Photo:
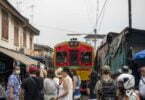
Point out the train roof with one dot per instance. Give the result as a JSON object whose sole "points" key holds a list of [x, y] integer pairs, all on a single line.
{"points": [[66, 43]]}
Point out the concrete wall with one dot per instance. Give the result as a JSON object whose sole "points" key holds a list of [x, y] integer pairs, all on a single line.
{"points": [[10, 42]]}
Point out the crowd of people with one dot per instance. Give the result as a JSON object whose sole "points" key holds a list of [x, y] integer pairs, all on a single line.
{"points": [[117, 86], [41, 84], [62, 84]]}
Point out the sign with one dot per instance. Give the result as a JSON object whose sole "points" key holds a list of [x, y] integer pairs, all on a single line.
{"points": [[84, 74]]}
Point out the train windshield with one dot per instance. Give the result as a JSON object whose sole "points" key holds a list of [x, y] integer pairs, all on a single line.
{"points": [[61, 57], [73, 57], [86, 57]]}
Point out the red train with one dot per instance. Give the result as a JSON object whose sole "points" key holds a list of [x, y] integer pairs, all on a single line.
{"points": [[76, 55]]}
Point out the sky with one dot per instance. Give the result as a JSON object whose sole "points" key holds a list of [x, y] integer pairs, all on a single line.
{"points": [[57, 18]]}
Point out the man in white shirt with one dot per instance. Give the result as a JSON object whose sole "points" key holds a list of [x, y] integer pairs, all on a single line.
{"points": [[142, 83]]}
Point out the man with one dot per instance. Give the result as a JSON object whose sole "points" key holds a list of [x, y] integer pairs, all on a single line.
{"points": [[105, 87], [67, 93], [91, 85], [14, 84], [32, 86], [142, 83]]}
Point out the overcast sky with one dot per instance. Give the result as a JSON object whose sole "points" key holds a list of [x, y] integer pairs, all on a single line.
{"points": [[56, 18]]}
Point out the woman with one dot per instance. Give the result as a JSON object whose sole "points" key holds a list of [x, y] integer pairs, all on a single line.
{"points": [[66, 87], [77, 84], [50, 87]]}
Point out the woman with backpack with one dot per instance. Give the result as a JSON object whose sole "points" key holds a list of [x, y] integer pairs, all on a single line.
{"points": [[105, 87]]}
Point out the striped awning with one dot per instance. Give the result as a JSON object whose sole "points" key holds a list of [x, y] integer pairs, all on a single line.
{"points": [[18, 56]]}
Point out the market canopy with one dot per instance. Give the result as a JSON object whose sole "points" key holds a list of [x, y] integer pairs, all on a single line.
{"points": [[139, 55], [18, 56]]}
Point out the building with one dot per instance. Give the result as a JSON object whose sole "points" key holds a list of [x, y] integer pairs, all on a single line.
{"points": [[42, 50], [120, 50], [43, 53], [103, 49], [16, 38], [15, 31]]}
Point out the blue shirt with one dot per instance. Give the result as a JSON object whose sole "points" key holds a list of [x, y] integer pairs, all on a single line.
{"points": [[14, 82]]}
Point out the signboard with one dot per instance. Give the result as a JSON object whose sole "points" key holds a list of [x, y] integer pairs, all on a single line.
{"points": [[83, 73]]}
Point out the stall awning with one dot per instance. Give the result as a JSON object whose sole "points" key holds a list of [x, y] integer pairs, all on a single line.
{"points": [[18, 56]]}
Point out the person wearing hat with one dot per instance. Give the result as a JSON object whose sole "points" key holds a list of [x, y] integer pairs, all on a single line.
{"points": [[67, 86], [126, 69], [31, 85], [14, 85], [105, 87]]}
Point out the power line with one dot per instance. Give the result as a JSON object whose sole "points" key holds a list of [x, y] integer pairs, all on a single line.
{"points": [[87, 10], [57, 28], [99, 16], [103, 14]]}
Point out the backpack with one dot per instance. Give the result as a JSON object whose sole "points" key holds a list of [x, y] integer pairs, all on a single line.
{"points": [[108, 89]]}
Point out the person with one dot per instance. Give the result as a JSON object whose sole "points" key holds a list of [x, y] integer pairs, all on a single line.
{"points": [[126, 69], [50, 86], [2, 91], [142, 83], [31, 86], [14, 85], [91, 85], [67, 86], [125, 84], [40, 81], [105, 87], [77, 84]]}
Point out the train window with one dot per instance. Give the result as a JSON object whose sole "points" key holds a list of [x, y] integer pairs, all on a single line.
{"points": [[61, 57], [86, 57], [73, 57], [73, 43]]}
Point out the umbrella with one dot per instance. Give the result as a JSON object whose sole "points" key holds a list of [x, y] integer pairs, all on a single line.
{"points": [[139, 55]]}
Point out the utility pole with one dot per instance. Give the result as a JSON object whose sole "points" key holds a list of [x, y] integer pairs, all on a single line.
{"points": [[130, 14], [96, 29]]}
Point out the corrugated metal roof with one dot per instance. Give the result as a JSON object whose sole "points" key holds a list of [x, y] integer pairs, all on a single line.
{"points": [[18, 56], [95, 36]]}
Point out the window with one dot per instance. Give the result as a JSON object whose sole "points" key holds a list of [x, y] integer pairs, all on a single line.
{"points": [[16, 34], [31, 42], [24, 39], [5, 25], [61, 57], [86, 57], [73, 57]]}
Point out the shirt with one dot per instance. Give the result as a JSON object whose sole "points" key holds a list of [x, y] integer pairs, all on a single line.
{"points": [[142, 87], [15, 83], [69, 82], [50, 87], [32, 88]]}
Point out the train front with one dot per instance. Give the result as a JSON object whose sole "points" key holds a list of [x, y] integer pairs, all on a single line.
{"points": [[77, 56]]}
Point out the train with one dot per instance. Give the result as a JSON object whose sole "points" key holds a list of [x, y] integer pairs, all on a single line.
{"points": [[77, 56]]}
